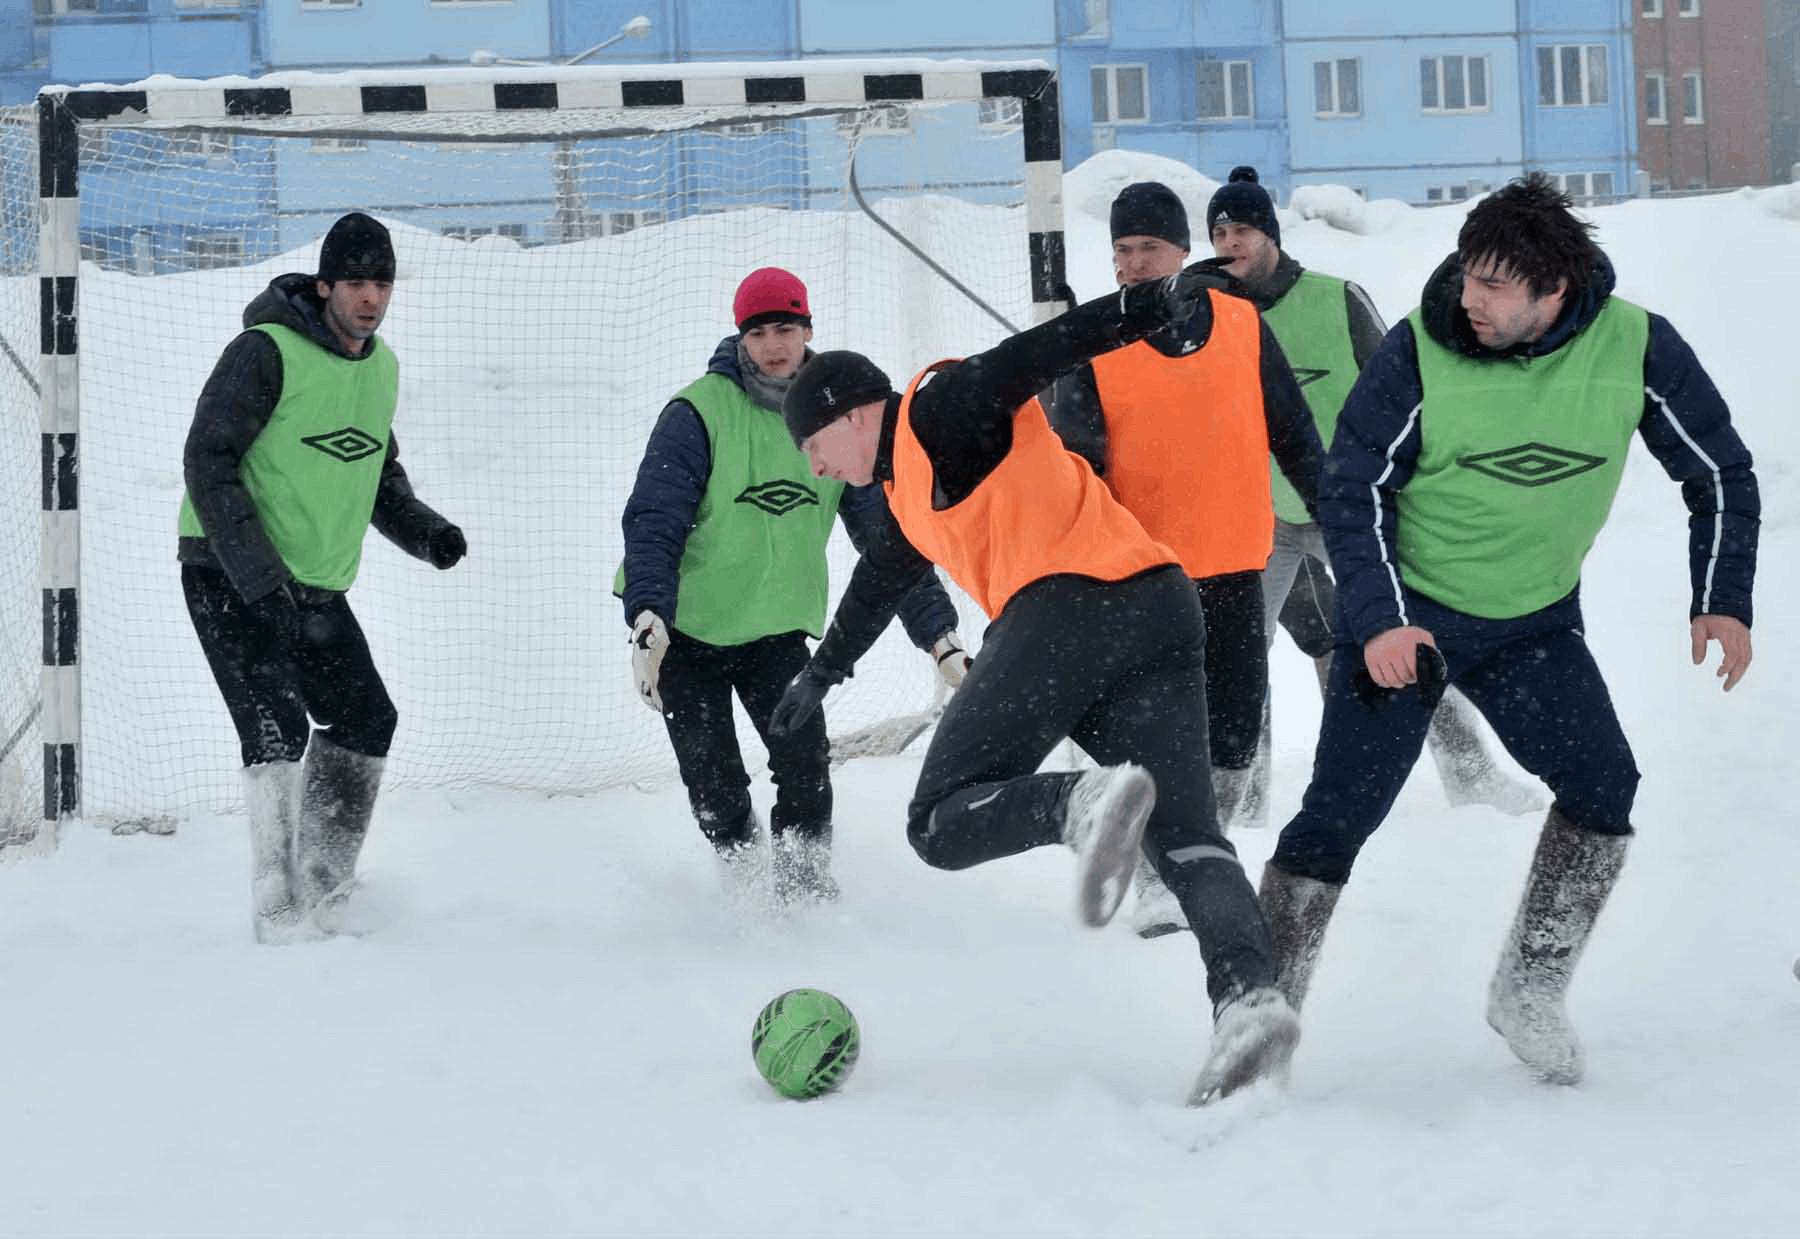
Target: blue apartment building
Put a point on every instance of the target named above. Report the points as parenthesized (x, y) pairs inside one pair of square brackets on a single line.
[(1410, 99)]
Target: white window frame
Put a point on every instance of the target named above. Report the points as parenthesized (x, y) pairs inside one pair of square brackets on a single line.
[(1586, 187), (1693, 98), (1435, 194), (1650, 8), (1687, 8), (1438, 65), (876, 120), (1236, 107), (62, 8), (1110, 74), (329, 4), (1656, 99), (1583, 94), (1000, 112), (1334, 86), (209, 4)]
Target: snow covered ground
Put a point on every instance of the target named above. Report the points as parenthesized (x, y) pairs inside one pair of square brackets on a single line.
[(548, 1034)]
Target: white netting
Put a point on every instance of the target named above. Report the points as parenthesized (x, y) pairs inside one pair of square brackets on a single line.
[(554, 292)]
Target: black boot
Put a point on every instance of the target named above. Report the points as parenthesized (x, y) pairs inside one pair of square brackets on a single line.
[(1572, 873), (335, 805), (1298, 909)]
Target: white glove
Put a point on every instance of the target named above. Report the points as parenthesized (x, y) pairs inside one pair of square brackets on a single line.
[(649, 642), (952, 661)]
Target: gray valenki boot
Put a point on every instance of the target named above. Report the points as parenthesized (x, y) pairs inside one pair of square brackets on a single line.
[(272, 799), (1466, 767), (335, 806), (1298, 909), (1253, 1039), (1155, 910), (1104, 817), (1572, 873)]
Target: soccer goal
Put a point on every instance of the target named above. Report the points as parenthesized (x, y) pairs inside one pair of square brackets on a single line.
[(569, 240)]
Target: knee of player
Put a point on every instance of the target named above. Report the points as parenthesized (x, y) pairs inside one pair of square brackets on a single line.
[(932, 845)]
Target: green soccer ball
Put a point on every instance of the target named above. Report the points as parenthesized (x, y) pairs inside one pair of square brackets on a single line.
[(805, 1043)]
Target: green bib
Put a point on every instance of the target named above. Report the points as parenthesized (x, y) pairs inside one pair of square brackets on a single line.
[(754, 563), (314, 470), (1313, 328), (1519, 461)]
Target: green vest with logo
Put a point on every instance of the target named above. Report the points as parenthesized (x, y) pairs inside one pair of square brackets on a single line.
[(1519, 461), (314, 470), (754, 563), (1313, 328)]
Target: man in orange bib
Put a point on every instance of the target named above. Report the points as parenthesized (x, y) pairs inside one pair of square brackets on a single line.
[(1181, 425), (1097, 636)]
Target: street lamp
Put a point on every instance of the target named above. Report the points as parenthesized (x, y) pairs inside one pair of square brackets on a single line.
[(637, 28)]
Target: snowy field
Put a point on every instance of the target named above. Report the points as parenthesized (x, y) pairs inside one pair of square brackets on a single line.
[(548, 1033)]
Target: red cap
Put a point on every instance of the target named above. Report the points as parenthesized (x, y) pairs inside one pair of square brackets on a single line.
[(770, 294)]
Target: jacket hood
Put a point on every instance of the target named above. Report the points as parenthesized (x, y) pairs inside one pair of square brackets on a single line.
[(1447, 323), (292, 301)]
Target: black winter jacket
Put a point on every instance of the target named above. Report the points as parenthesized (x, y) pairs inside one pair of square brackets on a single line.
[(233, 408)]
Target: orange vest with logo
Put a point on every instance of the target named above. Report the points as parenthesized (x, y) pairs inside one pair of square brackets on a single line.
[(1040, 513), (1188, 443)]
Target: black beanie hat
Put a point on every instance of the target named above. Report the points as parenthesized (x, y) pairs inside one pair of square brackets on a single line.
[(1241, 200), (357, 248), (827, 388), (1150, 209)]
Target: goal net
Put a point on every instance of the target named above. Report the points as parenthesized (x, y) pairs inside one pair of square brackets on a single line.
[(569, 240)]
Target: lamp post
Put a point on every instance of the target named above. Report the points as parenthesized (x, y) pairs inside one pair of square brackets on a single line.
[(569, 223), (637, 28)]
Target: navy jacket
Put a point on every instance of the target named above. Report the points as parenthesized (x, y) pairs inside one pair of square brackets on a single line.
[(1685, 424), (670, 483)]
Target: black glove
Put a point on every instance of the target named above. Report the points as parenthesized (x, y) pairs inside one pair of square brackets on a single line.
[(1434, 678), (799, 702), (447, 547), (1186, 289), (278, 614)]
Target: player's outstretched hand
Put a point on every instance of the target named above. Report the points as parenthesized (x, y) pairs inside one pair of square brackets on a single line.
[(1187, 288), (1733, 638), (799, 702)]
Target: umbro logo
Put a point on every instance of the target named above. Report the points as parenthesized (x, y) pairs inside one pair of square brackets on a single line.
[(1307, 377), (1532, 464), (778, 498), (347, 444)]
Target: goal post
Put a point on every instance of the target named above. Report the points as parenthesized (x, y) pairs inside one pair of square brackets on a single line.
[(568, 241)]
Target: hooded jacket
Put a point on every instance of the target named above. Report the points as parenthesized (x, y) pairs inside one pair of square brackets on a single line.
[(234, 408), (1683, 421), (665, 502)]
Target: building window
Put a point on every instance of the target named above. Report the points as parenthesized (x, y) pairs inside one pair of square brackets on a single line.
[(468, 232), (56, 8), (1587, 188), (1447, 193), (1337, 88), (336, 146), (209, 4), (1572, 74), (1120, 93), (1656, 99), (1453, 83), (1688, 8), (205, 251), (1003, 112), (1225, 90), (329, 4), (1649, 8), (1693, 109)]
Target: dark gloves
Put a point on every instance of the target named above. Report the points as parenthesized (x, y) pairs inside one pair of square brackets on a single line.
[(1434, 678), (1186, 289), (278, 613), (799, 702), (447, 547)]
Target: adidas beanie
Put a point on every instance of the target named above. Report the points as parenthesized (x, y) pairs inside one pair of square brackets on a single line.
[(827, 388), (1242, 200)]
